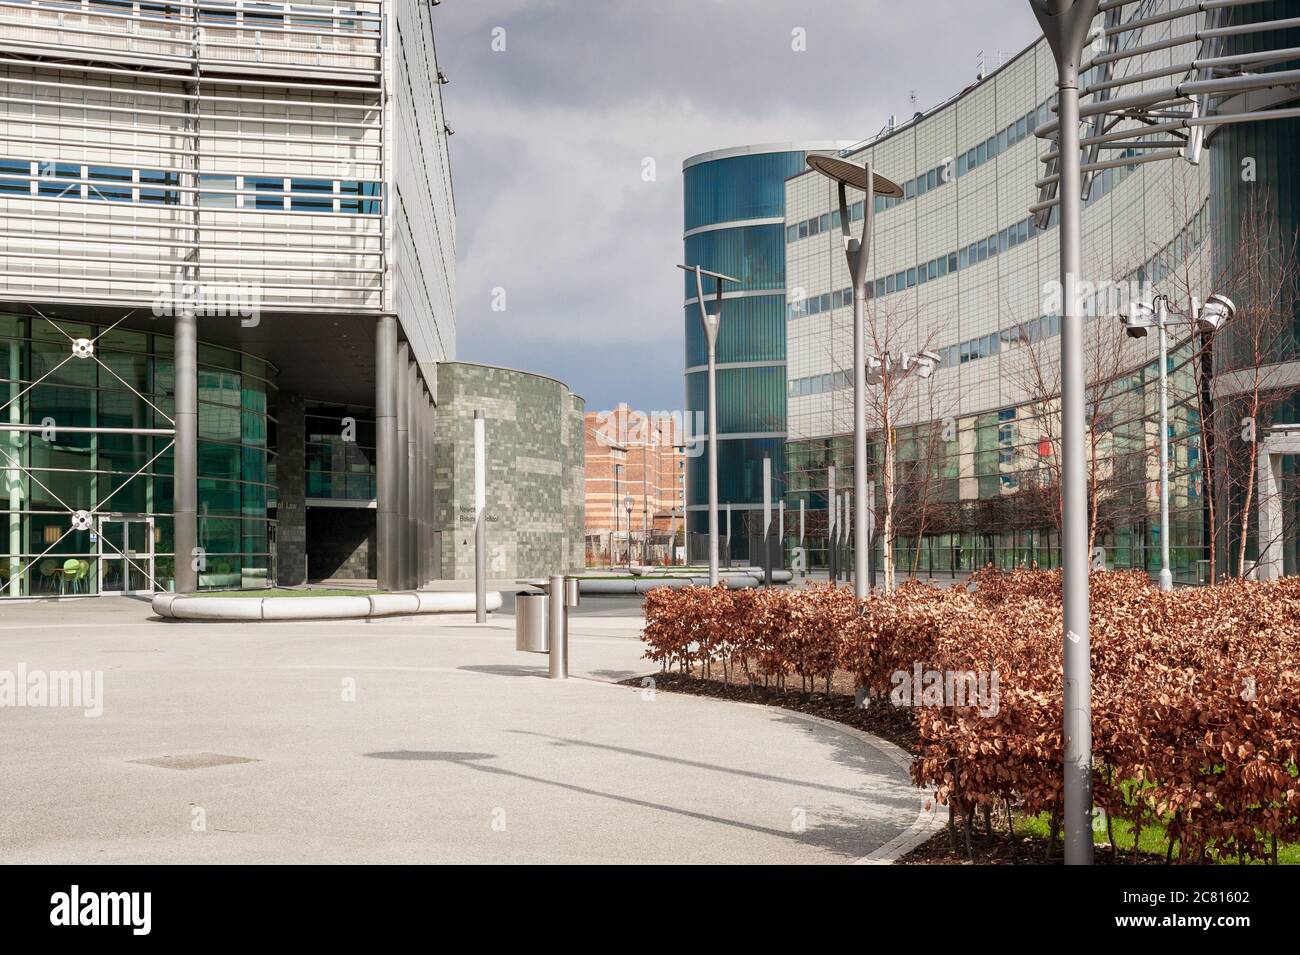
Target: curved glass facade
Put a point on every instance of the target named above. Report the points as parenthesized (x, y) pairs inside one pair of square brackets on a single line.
[(739, 188), (751, 398), (752, 329), (754, 254), (127, 478)]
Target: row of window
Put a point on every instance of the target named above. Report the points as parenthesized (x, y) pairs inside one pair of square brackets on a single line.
[(968, 161), (61, 180), (1187, 241), (252, 12), (936, 268), (942, 265)]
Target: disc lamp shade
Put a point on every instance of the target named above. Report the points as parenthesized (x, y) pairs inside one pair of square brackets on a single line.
[(854, 176)]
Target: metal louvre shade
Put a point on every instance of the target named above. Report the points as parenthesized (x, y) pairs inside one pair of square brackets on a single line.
[(850, 174)]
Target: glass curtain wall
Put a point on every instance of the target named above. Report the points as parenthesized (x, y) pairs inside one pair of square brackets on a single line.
[(46, 474), (990, 495)]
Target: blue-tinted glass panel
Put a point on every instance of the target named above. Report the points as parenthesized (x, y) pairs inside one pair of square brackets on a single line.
[(742, 187)]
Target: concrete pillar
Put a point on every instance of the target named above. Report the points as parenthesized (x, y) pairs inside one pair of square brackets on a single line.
[(402, 505), (431, 494), (386, 452), (291, 482), (417, 491), (1269, 521), (185, 455), (426, 415), (417, 475), (413, 490)]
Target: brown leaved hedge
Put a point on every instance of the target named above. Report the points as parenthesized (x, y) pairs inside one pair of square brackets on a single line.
[(1196, 693)]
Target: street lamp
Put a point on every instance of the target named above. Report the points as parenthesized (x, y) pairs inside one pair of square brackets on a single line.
[(1142, 316), (858, 252), (613, 541), (1067, 24), (627, 503), (711, 325), (681, 501)]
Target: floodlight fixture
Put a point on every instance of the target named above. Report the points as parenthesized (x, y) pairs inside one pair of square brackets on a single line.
[(1217, 311), (1141, 317)]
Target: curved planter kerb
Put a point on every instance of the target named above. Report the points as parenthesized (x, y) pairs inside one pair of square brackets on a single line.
[(350, 607)]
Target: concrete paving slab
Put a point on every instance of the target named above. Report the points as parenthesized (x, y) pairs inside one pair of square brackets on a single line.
[(411, 740)]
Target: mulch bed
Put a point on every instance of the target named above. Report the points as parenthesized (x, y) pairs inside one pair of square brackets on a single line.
[(898, 726), (1004, 849), (888, 722)]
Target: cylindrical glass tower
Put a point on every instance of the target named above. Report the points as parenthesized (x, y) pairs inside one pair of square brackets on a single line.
[(734, 213)]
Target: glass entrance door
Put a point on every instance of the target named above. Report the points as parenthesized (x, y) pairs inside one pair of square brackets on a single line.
[(126, 554)]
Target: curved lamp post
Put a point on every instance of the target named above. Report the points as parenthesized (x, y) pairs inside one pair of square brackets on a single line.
[(1066, 25), (711, 325), (858, 252)]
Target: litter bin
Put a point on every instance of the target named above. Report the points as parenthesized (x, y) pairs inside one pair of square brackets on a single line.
[(530, 622)]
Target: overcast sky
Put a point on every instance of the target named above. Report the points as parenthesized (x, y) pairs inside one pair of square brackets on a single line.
[(552, 135)]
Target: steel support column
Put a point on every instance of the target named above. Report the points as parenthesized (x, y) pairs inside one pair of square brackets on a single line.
[(185, 456), (420, 470), (413, 491), (402, 506), (1066, 25), (386, 452), (427, 506)]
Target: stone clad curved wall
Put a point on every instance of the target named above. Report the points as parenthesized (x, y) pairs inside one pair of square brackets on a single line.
[(535, 469)]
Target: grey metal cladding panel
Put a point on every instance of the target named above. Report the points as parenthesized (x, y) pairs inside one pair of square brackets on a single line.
[(423, 262)]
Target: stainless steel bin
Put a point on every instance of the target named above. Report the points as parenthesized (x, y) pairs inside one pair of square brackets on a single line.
[(530, 622)]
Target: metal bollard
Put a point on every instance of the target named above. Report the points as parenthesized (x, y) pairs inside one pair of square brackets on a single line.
[(558, 634)]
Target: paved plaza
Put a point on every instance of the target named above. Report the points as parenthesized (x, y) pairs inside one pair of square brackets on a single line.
[(413, 740)]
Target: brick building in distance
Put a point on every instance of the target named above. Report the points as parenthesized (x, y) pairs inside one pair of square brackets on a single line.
[(632, 455)]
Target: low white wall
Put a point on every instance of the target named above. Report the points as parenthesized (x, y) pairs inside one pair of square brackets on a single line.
[(182, 607)]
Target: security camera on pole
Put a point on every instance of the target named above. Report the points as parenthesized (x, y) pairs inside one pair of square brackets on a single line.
[(1218, 310)]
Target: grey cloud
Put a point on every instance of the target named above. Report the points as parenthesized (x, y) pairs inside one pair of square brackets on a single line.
[(552, 133)]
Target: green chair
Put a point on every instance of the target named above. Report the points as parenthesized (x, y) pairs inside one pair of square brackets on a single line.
[(48, 568), (75, 574), (71, 569)]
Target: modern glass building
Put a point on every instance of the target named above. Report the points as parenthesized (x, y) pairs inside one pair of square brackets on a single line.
[(228, 240), (202, 238), (100, 450), (735, 224), (962, 268)]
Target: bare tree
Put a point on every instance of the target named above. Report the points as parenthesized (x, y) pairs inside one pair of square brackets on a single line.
[(1263, 273)]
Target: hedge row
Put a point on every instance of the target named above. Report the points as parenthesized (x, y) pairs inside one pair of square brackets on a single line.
[(1196, 693)]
